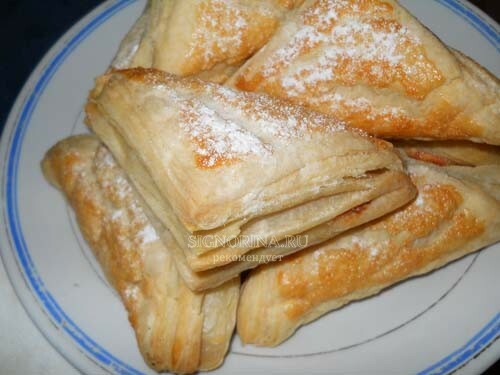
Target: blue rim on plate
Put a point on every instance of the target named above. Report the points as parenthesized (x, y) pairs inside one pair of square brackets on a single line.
[(481, 340)]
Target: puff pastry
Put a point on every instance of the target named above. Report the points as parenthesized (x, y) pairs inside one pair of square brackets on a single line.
[(240, 169), (449, 219), (475, 163), (208, 38), (371, 63), (176, 329), (451, 152)]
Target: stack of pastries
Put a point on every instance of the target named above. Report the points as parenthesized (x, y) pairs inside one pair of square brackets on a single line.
[(236, 135)]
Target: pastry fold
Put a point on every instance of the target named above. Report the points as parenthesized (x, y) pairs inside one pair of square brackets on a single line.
[(460, 153), (371, 63), (176, 329), (450, 218), (476, 163), (231, 173), (207, 38)]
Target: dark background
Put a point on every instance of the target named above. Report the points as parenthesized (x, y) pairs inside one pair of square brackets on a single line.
[(28, 28)]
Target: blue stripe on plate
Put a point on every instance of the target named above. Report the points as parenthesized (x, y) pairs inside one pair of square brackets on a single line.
[(487, 30), (89, 347), (92, 349), (475, 345)]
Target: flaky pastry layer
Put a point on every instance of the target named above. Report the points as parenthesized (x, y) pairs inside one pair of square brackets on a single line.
[(209, 39), (374, 65), (450, 218), (210, 161), (177, 330)]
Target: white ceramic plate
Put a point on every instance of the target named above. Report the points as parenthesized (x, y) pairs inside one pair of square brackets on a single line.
[(432, 324)]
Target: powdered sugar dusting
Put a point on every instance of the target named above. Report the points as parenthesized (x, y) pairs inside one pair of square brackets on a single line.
[(122, 186), (354, 41), (337, 103), (105, 159), (226, 125), (359, 41), (419, 201), (316, 256), (374, 250), (147, 235), (117, 214), (211, 39), (131, 292), (372, 245), (104, 162), (424, 198), (124, 211), (278, 119), (218, 140)]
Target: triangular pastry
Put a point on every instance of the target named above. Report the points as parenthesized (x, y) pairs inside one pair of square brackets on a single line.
[(176, 329), (398, 191), (371, 63), (449, 218), (228, 172), (208, 38)]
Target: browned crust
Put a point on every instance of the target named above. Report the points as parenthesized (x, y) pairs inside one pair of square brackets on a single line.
[(170, 321)]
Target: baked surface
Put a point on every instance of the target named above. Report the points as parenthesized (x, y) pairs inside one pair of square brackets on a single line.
[(397, 194), (176, 329), (450, 218), (208, 38), (199, 160), (371, 63), (212, 162)]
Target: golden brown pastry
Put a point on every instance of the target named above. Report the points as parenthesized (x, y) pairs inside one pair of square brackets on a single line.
[(486, 176), (475, 163), (230, 172), (449, 219), (371, 63), (397, 189), (451, 152), (176, 329), (208, 38)]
